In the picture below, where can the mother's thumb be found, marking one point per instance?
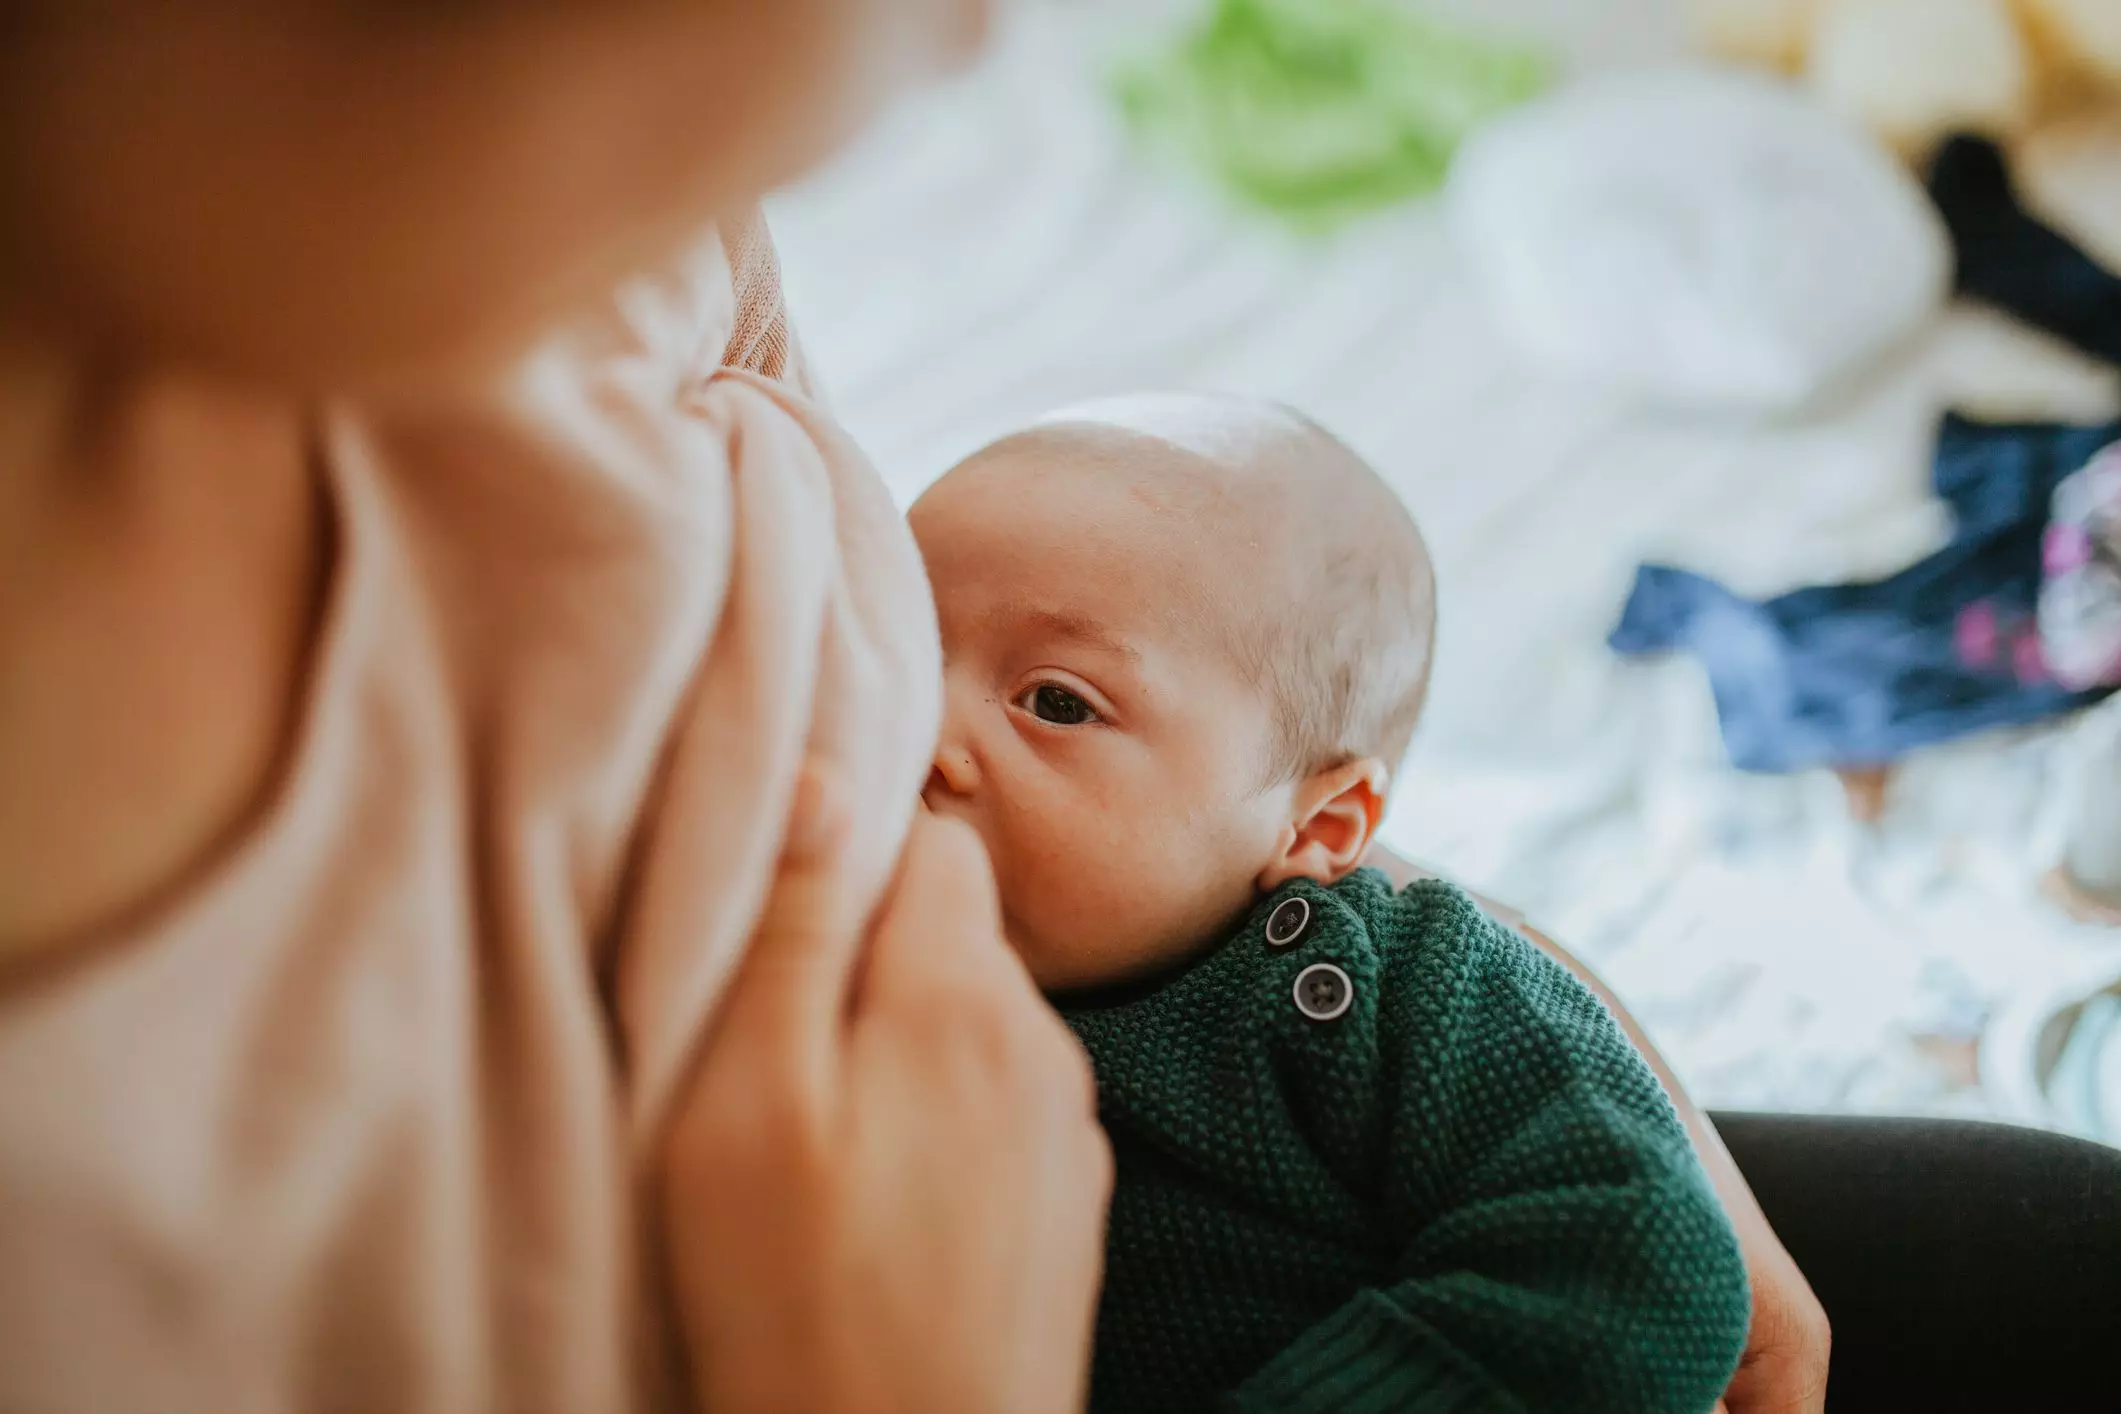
(790, 990)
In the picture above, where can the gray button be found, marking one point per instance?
(1286, 924)
(1323, 992)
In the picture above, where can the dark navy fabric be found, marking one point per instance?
(1858, 674)
(2009, 260)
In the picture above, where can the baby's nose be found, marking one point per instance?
(954, 773)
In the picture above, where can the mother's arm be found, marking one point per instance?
(1784, 1367)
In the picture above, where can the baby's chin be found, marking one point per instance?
(1062, 968)
(1053, 968)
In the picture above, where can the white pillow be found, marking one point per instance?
(1697, 236)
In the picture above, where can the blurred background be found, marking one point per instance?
(1594, 284)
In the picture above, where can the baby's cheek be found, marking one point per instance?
(1093, 894)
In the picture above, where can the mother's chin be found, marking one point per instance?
(370, 194)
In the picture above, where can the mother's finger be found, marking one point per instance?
(938, 963)
(943, 928)
(788, 1000)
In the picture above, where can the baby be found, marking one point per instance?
(1375, 1151)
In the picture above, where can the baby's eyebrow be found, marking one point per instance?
(1078, 629)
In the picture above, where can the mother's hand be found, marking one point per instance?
(1783, 1370)
(886, 1189)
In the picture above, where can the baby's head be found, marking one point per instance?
(1185, 642)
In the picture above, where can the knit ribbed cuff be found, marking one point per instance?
(1369, 1357)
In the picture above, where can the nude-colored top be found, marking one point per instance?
(361, 1119)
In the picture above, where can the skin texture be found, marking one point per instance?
(906, 1182)
(1086, 574)
(160, 568)
(331, 192)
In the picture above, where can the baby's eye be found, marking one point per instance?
(1050, 702)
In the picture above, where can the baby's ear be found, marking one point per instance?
(1334, 817)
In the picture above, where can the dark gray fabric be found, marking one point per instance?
(1965, 1266)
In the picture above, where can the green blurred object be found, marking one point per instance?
(1323, 110)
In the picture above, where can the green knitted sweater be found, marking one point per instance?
(1463, 1192)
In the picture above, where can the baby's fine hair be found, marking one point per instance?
(1342, 646)
(1347, 659)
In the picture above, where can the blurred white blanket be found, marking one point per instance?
(995, 250)
(1698, 237)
